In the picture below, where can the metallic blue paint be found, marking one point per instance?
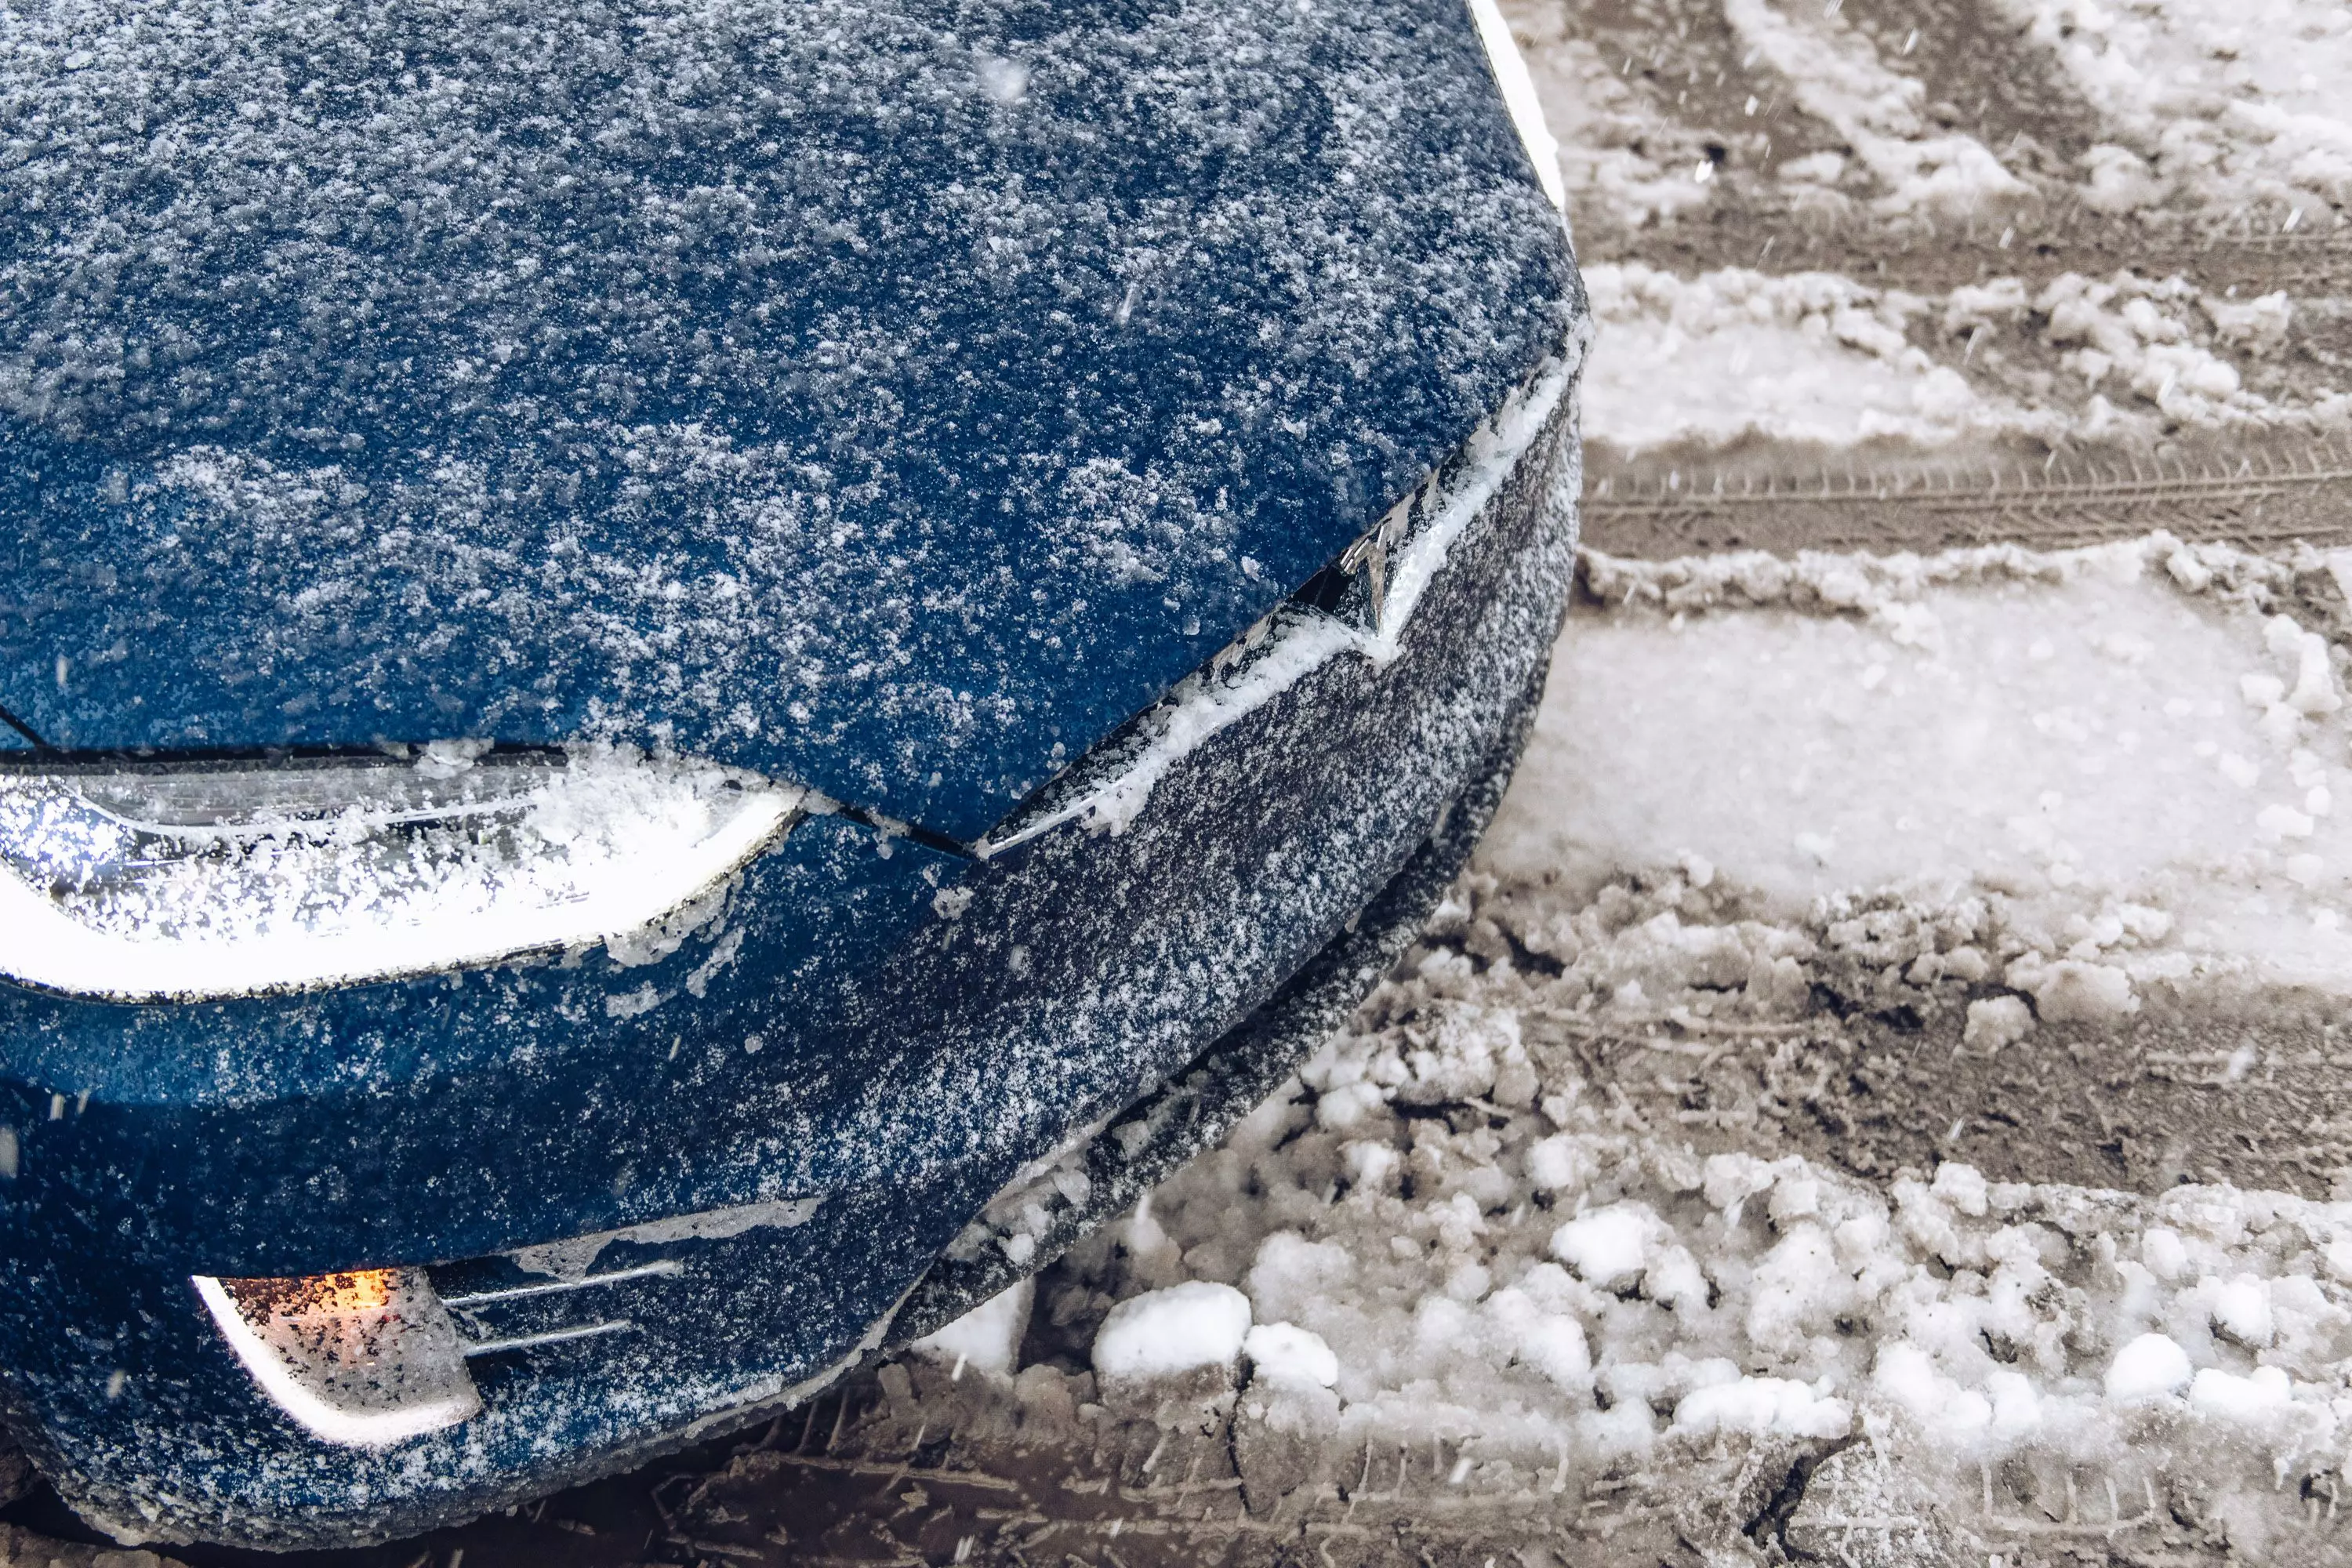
(827, 415)
(962, 420)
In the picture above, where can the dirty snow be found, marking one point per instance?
(1805, 357)
(1838, 77)
(2078, 781)
(1657, 1303)
(1615, 153)
(2228, 103)
(1813, 358)
(2114, 769)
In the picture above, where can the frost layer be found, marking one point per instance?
(896, 399)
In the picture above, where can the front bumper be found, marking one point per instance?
(788, 1118)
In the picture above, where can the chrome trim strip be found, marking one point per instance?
(518, 1292)
(553, 1336)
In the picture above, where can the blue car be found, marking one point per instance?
(683, 681)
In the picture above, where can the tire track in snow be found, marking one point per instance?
(2249, 252)
(1982, 75)
(2271, 492)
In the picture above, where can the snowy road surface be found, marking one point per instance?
(1880, 1096)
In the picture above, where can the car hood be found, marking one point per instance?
(896, 399)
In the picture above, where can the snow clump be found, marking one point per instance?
(1668, 1301)
(988, 1338)
(1184, 1328)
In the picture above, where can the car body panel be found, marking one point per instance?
(453, 1114)
(1085, 967)
(893, 399)
(952, 407)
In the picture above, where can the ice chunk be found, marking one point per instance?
(1763, 1406)
(2242, 1309)
(1962, 1187)
(2149, 1367)
(2253, 1398)
(1291, 1273)
(1553, 1343)
(2072, 991)
(1556, 1162)
(1906, 1378)
(1184, 1328)
(2160, 1249)
(1285, 1353)
(1608, 1247)
(1800, 1290)
(2284, 821)
(1997, 1021)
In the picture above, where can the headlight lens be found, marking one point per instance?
(228, 880)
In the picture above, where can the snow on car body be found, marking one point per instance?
(647, 650)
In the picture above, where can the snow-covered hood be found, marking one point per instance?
(896, 399)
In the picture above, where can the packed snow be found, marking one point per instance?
(1837, 74)
(2228, 103)
(2114, 769)
(1813, 358)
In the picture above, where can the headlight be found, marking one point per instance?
(140, 883)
